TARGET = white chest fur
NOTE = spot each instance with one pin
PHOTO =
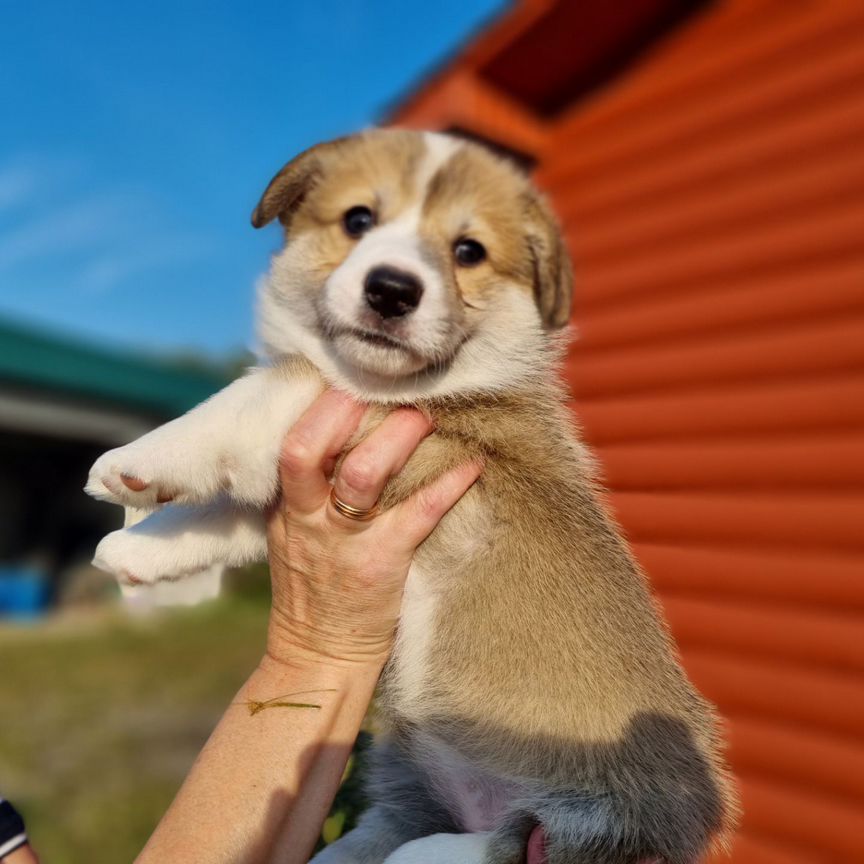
(476, 797)
(414, 640)
(467, 531)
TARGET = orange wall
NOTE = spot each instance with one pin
(713, 198)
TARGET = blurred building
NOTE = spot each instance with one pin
(706, 160)
(62, 404)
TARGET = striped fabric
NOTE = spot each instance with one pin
(12, 833)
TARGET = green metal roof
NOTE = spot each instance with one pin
(35, 359)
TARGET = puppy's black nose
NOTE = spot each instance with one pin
(392, 293)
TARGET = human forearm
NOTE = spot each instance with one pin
(267, 778)
(22, 855)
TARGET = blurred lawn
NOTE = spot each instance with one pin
(101, 716)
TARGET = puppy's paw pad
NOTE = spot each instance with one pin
(136, 484)
(124, 577)
(123, 477)
(155, 493)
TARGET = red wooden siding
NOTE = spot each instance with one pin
(713, 199)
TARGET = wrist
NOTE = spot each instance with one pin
(293, 644)
(303, 682)
(285, 653)
(300, 681)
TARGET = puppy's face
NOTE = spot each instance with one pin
(404, 247)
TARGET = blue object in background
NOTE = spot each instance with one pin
(23, 592)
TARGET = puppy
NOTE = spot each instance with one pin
(533, 681)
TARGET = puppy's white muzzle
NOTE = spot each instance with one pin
(392, 293)
(386, 305)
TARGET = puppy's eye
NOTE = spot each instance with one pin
(358, 220)
(468, 252)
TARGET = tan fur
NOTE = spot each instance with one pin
(362, 169)
(533, 680)
(465, 199)
(549, 660)
(550, 539)
(474, 195)
(551, 586)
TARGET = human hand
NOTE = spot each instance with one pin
(337, 582)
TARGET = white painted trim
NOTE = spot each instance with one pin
(12, 845)
(38, 414)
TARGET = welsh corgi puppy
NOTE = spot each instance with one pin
(533, 682)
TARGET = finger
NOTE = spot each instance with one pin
(311, 444)
(366, 469)
(418, 515)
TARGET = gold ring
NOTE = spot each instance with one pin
(350, 512)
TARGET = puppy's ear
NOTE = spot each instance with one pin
(286, 190)
(553, 272)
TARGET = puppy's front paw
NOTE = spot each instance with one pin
(178, 541)
(143, 559)
(134, 478)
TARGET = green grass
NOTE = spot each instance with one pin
(101, 716)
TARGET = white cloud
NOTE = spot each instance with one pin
(16, 185)
(66, 228)
(92, 239)
(105, 272)
(25, 176)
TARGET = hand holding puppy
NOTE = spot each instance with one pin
(337, 581)
(337, 590)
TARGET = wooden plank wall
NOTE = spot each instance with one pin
(713, 198)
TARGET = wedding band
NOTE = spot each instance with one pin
(350, 512)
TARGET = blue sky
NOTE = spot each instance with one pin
(137, 136)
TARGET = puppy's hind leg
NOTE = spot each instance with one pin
(582, 828)
(575, 831)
